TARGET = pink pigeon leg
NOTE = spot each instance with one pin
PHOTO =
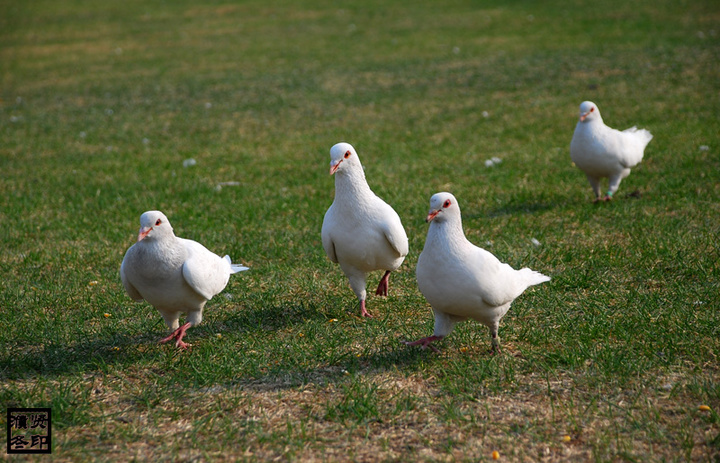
(363, 310)
(178, 334)
(382, 289)
(425, 342)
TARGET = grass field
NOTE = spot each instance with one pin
(102, 102)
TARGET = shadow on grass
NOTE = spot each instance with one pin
(519, 208)
(112, 348)
(343, 368)
(53, 359)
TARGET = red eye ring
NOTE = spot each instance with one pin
(446, 203)
(592, 109)
(347, 154)
(158, 222)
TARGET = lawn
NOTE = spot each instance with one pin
(222, 116)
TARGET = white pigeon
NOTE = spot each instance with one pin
(360, 231)
(175, 275)
(601, 151)
(461, 280)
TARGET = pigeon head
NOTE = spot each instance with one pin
(341, 156)
(154, 224)
(589, 111)
(443, 206)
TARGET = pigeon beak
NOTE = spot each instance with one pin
(432, 215)
(583, 116)
(334, 167)
(143, 233)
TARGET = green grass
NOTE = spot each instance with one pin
(100, 104)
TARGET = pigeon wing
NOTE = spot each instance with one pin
(394, 232)
(327, 240)
(498, 285)
(634, 142)
(129, 288)
(205, 272)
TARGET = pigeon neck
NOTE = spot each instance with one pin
(448, 234)
(164, 244)
(596, 119)
(351, 184)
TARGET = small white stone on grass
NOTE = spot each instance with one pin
(493, 161)
(220, 185)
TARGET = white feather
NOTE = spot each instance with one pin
(601, 151)
(174, 275)
(360, 231)
(461, 280)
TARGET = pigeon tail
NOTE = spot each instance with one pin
(532, 277)
(235, 268)
(642, 135)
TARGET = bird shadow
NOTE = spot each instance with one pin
(109, 347)
(51, 359)
(340, 370)
(112, 348)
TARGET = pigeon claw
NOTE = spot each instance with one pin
(178, 334)
(363, 310)
(182, 345)
(425, 343)
(382, 289)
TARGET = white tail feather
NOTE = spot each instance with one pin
(532, 277)
(235, 268)
(643, 135)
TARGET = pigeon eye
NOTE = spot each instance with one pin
(592, 109)
(347, 154)
(446, 203)
(158, 222)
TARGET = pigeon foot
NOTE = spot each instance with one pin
(363, 310)
(495, 349)
(178, 334)
(424, 342)
(382, 289)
